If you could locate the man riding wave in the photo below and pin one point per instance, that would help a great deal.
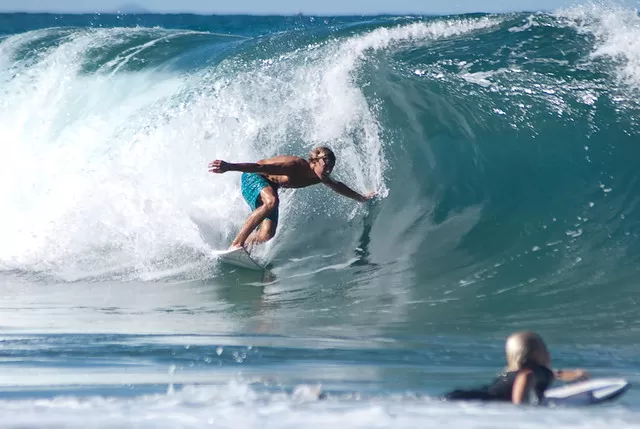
(261, 181)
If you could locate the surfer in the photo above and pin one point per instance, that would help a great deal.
(526, 376)
(525, 379)
(261, 181)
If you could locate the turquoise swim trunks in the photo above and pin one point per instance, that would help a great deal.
(252, 184)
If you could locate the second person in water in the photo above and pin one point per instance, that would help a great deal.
(527, 375)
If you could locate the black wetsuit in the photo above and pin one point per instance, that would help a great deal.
(502, 387)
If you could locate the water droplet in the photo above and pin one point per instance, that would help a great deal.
(574, 234)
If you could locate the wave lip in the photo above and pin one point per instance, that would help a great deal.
(616, 31)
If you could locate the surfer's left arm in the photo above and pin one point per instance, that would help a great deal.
(343, 189)
(570, 375)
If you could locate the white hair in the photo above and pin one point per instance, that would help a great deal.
(524, 349)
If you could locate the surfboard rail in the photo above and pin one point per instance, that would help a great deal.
(587, 392)
(239, 258)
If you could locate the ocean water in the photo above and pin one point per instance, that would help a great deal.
(504, 149)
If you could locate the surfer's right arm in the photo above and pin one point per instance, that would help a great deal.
(522, 387)
(275, 168)
(570, 375)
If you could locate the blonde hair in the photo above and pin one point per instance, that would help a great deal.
(524, 349)
(322, 152)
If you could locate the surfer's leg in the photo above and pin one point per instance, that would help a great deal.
(265, 233)
(267, 229)
(268, 205)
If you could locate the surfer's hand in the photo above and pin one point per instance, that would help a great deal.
(571, 375)
(581, 375)
(218, 166)
(370, 195)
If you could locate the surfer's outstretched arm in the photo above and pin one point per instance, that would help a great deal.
(276, 168)
(343, 189)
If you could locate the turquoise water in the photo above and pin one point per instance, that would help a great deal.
(503, 148)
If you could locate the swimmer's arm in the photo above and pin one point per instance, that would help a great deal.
(275, 168)
(522, 387)
(570, 375)
(343, 189)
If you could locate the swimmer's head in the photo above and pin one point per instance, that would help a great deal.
(524, 349)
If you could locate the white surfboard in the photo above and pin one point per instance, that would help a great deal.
(588, 392)
(239, 258)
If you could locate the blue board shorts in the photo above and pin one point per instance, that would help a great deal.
(252, 184)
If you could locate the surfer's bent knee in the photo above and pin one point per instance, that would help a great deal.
(270, 202)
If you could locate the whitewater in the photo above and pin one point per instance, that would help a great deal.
(503, 151)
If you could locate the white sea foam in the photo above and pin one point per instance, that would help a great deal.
(105, 172)
(238, 405)
(617, 32)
